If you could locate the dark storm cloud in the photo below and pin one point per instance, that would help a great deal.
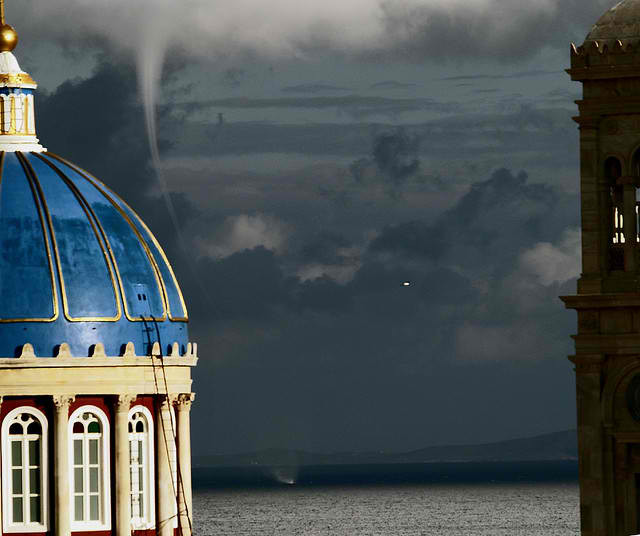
(523, 74)
(323, 364)
(488, 227)
(469, 135)
(486, 91)
(497, 30)
(414, 239)
(481, 236)
(394, 156)
(107, 99)
(411, 30)
(323, 247)
(234, 77)
(314, 88)
(392, 84)
(561, 96)
(357, 106)
(384, 352)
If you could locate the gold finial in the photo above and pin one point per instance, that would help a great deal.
(8, 36)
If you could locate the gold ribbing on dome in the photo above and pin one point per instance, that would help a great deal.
(8, 35)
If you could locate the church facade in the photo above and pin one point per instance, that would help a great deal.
(95, 361)
(607, 343)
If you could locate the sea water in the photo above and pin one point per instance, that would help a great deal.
(492, 509)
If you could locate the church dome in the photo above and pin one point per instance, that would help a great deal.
(78, 266)
(80, 272)
(621, 22)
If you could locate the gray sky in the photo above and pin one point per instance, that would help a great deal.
(317, 158)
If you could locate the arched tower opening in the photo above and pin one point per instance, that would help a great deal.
(612, 175)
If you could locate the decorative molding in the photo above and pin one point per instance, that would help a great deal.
(129, 350)
(168, 399)
(184, 400)
(123, 402)
(63, 402)
(98, 350)
(27, 351)
(22, 80)
(64, 350)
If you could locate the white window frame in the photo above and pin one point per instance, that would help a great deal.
(149, 520)
(7, 524)
(104, 523)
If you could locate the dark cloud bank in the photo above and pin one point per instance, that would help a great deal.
(506, 31)
(475, 349)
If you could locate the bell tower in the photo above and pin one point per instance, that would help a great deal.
(607, 345)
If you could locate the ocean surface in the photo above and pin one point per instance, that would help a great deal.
(542, 508)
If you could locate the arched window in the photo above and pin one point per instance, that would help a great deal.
(24, 473)
(89, 464)
(142, 468)
(613, 171)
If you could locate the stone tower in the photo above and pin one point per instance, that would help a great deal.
(607, 345)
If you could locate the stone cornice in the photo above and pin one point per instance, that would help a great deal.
(601, 72)
(601, 301)
(63, 351)
(90, 376)
(588, 363)
(82, 362)
(626, 437)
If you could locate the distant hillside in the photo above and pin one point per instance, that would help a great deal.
(555, 446)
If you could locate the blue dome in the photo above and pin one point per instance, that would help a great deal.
(78, 265)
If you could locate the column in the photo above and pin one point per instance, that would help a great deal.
(164, 484)
(185, 503)
(61, 464)
(123, 465)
